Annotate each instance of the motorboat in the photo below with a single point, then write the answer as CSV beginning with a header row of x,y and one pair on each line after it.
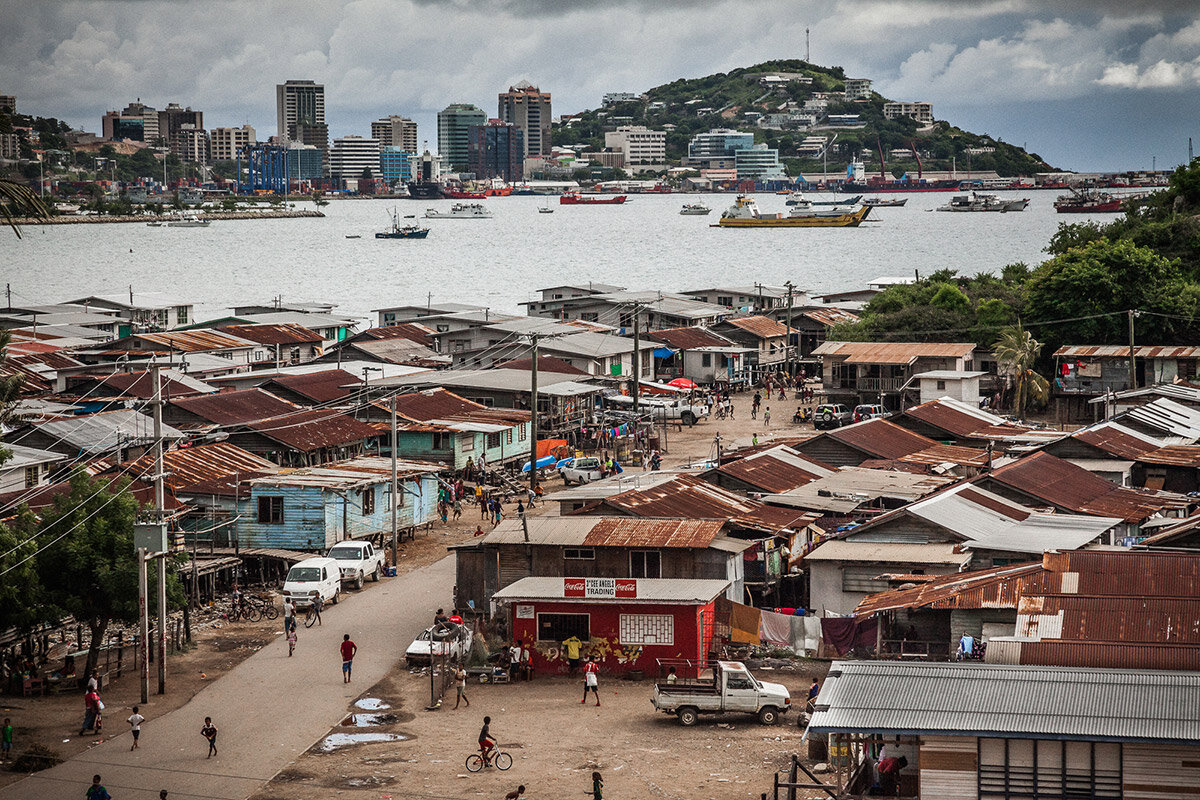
x,y
695,210
188,221
545,210
744,213
885,202
798,199
460,211
976,201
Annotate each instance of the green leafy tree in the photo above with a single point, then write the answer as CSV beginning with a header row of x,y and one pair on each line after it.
x,y
88,565
1018,352
21,594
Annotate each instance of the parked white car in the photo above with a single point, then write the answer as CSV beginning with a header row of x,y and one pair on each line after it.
x,y
661,408
580,470
356,561
446,639
310,578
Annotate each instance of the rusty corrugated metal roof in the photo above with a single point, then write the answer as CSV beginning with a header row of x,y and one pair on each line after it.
x,y
893,352
141,385
998,587
1114,440
688,338
829,316
313,430
959,419
947,453
327,386
1061,483
236,407
195,341
689,496
776,470
1111,655
1176,455
413,331
1121,351
1135,573
433,404
274,333
880,438
624,532
760,326
1109,618
206,468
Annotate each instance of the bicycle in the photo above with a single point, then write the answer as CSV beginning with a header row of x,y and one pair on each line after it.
x,y
266,607
313,614
477,761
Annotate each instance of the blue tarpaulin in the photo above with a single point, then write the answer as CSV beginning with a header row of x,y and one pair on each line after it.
x,y
544,461
663,352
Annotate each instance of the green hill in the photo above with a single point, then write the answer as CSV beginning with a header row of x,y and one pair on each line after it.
x,y
694,105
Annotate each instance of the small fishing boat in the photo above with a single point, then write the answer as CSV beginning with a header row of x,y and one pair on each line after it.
x,y
885,202
353,236
695,210
398,231
545,210
188,221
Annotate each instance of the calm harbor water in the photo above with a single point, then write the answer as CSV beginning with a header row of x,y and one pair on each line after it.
x,y
644,244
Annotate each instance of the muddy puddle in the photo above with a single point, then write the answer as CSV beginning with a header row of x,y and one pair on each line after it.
x,y
370,720
371,704
336,741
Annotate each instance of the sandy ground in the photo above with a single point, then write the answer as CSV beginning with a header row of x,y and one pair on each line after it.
x,y
556,743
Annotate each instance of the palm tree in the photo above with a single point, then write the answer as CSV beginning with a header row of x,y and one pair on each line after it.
x,y
18,200
1018,351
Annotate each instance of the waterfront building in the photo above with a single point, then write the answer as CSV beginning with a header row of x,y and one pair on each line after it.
x,y
528,108
758,162
304,162
395,131
137,122
641,147
173,119
858,89
454,132
396,165
497,150
718,144
142,310
921,112
225,143
191,144
351,155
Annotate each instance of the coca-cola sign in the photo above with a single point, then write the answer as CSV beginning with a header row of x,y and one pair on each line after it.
x,y
600,588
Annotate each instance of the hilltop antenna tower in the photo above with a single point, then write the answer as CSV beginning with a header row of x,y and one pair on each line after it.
x,y
807,52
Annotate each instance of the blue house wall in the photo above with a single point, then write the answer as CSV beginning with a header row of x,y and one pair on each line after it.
x,y
316,518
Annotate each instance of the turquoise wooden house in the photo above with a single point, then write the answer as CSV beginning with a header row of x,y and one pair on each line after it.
x,y
315,507
438,425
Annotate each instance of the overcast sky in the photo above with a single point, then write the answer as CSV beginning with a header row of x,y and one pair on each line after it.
x,y
1087,84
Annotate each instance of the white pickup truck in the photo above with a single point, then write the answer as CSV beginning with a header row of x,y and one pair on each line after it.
x,y
356,561
730,689
661,408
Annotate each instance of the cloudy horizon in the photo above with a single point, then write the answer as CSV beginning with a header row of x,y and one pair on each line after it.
x,y
1086,85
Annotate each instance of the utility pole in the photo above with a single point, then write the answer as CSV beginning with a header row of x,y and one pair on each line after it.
x,y
160,518
759,308
788,349
637,358
533,414
1132,363
143,626
394,487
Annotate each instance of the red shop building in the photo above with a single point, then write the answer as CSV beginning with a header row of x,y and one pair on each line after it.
x,y
626,623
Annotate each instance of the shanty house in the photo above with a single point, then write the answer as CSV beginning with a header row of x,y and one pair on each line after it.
x,y
878,372
697,353
437,425
122,434
1082,372
766,338
306,438
313,388
314,507
142,310
26,467
853,444
777,469
280,343
1001,732
590,547
225,408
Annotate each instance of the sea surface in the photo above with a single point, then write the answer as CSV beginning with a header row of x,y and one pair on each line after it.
x,y
642,245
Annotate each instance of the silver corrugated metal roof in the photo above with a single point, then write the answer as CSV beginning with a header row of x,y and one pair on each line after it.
x,y
99,433
649,590
839,550
895,698
27,456
1168,416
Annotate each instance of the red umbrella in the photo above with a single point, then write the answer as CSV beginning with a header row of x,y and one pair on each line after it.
x,y
683,383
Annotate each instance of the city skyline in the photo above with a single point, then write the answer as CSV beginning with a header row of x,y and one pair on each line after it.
x,y
1087,86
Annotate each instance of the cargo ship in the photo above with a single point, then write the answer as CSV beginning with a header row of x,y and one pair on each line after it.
x,y
424,190
576,199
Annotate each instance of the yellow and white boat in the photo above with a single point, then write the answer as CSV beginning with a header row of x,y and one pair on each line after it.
x,y
744,213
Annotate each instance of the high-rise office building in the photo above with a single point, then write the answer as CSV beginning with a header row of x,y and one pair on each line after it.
x,y
454,132
528,108
395,131
350,155
397,166
497,150
191,144
224,143
172,120
300,114
137,122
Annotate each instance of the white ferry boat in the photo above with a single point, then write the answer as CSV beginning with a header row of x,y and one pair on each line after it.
x,y
460,211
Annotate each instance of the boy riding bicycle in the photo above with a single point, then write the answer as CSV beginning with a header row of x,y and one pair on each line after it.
x,y
486,743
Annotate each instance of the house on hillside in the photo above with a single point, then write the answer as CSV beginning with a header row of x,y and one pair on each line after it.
x,y
697,353
307,438
591,547
879,372
313,508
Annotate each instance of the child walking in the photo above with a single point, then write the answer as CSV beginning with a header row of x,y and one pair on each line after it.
x,y
135,726
291,639
209,732
597,786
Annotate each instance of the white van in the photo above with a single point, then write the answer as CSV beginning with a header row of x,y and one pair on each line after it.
x,y
313,576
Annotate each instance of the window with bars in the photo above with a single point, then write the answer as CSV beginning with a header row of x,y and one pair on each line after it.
x,y
1034,769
